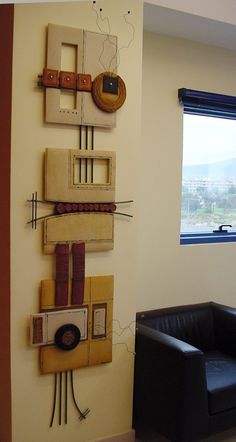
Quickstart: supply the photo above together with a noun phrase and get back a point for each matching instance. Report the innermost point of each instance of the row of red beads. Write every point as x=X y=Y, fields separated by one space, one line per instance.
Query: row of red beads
x=84 y=207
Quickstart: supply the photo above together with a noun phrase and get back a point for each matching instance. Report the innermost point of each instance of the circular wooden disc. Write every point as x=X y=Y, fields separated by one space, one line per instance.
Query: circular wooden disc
x=107 y=101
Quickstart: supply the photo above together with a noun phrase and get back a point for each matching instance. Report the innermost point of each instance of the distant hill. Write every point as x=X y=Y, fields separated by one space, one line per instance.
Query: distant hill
x=219 y=170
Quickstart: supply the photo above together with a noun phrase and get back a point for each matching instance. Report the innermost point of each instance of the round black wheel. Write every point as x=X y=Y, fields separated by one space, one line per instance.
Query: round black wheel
x=67 y=337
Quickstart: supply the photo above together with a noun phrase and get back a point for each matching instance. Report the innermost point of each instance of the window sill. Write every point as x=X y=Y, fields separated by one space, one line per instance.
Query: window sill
x=207 y=238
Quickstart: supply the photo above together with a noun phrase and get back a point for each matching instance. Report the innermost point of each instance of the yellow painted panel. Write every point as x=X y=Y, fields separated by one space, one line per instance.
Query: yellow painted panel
x=53 y=360
x=102 y=288
x=47 y=300
x=100 y=351
x=47 y=296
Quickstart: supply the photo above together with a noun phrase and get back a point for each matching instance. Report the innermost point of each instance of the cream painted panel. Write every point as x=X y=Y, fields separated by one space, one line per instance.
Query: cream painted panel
x=100 y=55
x=96 y=230
x=58 y=35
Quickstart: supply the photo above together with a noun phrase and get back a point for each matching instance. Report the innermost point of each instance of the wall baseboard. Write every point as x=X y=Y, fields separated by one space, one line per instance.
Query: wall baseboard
x=123 y=437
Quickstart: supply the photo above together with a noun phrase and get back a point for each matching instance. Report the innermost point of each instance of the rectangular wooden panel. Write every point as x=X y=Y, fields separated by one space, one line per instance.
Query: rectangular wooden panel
x=48 y=290
x=100 y=54
x=53 y=360
x=95 y=53
x=61 y=181
x=57 y=36
x=96 y=230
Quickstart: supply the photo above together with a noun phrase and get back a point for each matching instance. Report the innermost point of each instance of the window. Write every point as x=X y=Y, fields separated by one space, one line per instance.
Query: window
x=208 y=210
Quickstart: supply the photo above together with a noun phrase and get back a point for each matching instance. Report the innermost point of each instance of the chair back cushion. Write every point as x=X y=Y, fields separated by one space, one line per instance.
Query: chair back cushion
x=193 y=325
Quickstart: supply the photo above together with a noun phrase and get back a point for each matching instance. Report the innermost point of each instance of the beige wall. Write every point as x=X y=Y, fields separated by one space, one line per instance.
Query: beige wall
x=107 y=389
x=170 y=274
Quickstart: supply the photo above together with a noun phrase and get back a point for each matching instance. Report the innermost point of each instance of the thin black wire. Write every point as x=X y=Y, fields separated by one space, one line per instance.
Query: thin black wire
x=82 y=415
x=68 y=213
x=66 y=395
x=54 y=399
x=35 y=210
x=86 y=160
x=80 y=146
x=32 y=211
x=92 y=148
x=60 y=394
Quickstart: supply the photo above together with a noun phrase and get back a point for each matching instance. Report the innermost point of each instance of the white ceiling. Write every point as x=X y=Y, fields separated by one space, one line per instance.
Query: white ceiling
x=192 y=27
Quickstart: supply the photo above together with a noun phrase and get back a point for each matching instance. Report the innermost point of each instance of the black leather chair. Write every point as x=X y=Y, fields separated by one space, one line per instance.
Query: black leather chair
x=185 y=371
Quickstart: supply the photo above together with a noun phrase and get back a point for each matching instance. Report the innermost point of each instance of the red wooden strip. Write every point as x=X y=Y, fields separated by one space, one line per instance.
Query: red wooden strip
x=78 y=253
x=6 y=49
x=62 y=274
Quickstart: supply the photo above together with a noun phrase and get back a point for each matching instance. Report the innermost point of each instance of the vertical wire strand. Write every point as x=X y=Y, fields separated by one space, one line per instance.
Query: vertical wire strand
x=80 y=146
x=60 y=396
x=32 y=211
x=73 y=396
x=86 y=160
x=66 y=395
x=35 y=210
x=54 y=400
x=92 y=148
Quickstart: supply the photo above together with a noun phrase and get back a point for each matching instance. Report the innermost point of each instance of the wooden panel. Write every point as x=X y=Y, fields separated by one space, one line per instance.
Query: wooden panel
x=102 y=288
x=53 y=360
x=106 y=50
x=60 y=182
x=100 y=351
x=93 y=351
x=96 y=230
x=96 y=53
x=47 y=298
x=58 y=35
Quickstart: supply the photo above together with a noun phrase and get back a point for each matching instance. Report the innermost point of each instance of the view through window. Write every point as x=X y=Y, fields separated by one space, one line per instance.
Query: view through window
x=209 y=173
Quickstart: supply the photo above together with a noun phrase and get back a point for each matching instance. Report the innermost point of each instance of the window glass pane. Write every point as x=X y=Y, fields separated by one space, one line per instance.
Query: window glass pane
x=209 y=173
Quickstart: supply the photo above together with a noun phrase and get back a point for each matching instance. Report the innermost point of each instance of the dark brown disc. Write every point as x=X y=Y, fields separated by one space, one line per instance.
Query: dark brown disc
x=109 y=91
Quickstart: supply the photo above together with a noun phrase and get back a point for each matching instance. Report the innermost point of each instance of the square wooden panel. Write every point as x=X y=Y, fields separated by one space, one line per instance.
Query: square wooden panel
x=93 y=351
x=84 y=82
x=61 y=183
x=68 y=80
x=50 y=78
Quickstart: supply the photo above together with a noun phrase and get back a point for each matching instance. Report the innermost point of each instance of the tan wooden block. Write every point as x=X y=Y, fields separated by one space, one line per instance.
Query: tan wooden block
x=100 y=351
x=61 y=182
x=47 y=296
x=97 y=43
x=96 y=230
x=53 y=360
x=102 y=288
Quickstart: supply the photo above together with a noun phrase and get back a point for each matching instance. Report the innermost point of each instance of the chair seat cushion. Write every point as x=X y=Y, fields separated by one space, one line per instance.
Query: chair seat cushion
x=221 y=381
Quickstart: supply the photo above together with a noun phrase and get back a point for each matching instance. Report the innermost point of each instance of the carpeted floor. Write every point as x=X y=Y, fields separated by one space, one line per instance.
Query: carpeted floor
x=226 y=436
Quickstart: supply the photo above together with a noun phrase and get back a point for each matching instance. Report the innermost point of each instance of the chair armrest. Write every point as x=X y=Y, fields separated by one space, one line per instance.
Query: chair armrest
x=170 y=385
x=225 y=328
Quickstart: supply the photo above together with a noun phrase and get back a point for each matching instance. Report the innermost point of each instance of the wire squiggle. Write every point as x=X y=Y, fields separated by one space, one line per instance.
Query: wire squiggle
x=108 y=39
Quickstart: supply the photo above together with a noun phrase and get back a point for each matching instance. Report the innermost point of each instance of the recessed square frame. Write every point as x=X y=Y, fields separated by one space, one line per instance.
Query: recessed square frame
x=60 y=183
